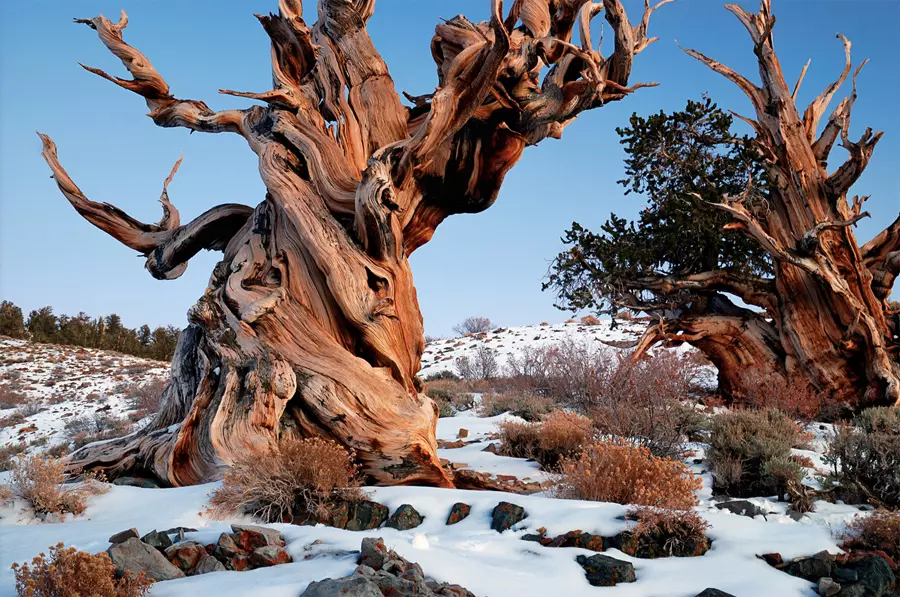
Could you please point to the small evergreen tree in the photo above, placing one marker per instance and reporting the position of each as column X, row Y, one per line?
column 12, row 323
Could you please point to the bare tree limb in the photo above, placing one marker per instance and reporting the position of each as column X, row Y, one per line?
column 165, row 109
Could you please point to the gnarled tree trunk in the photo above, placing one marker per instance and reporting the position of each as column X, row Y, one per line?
column 825, row 312
column 310, row 325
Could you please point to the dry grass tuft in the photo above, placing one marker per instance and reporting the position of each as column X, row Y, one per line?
column 665, row 533
column 528, row 406
column 298, row 480
column 621, row 472
column 40, row 481
column 69, row 572
column 561, row 435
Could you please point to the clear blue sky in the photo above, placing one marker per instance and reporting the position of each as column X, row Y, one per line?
column 490, row 264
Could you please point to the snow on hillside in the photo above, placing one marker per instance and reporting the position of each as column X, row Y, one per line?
column 69, row 382
column 441, row 355
column 61, row 383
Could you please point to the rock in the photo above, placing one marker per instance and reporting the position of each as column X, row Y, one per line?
column 160, row 541
column 827, row 587
column 136, row 482
column 813, row 568
column 454, row 445
column 659, row 544
column 875, row 578
column 269, row 555
column 351, row 586
column 458, row 511
column 462, row 433
column 250, row 537
column 714, row 593
column 229, row 553
column 845, row 575
column 459, row 465
column 404, row 518
column 123, row 536
column 506, row 515
column 364, row 516
column 576, row 539
column 772, row 559
column 186, row 555
column 373, row 553
column 492, row 448
column 794, row 515
column 209, row 564
column 604, row 571
column 179, row 530
column 133, row 555
column 741, row 508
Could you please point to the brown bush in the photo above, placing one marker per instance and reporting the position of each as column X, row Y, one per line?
column 621, row 472
column 85, row 430
column 528, row 406
column 450, row 397
column 648, row 401
column 878, row 531
column 8, row 454
column 762, row 389
column 11, row 396
column 146, row 397
column 864, row 457
column 665, row 533
column 40, row 481
column 750, row 452
column 561, row 435
column 72, row 573
column 11, row 420
column 589, row 320
column 480, row 364
column 297, row 480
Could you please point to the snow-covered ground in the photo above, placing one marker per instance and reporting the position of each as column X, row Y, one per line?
column 469, row 553
column 62, row 383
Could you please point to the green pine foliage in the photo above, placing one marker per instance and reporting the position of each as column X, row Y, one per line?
column 107, row 333
column 680, row 163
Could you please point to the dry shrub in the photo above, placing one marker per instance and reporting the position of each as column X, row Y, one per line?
column 617, row 471
column 40, row 481
column 473, row 325
column 297, row 480
column 450, row 398
column 12, row 419
column 85, row 430
column 561, row 435
column 864, row 457
column 480, row 364
column 750, row 452
column 146, row 397
column 762, row 388
column 72, row 573
column 878, row 531
column 528, row 406
column 589, row 320
column 645, row 400
column 10, row 396
column 8, row 454
column 665, row 533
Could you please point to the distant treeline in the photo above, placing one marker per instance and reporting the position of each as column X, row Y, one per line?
column 107, row 332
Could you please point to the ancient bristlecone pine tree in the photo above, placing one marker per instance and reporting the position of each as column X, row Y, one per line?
column 825, row 313
column 310, row 324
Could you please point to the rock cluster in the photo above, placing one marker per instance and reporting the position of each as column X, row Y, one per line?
column 381, row 573
column 845, row 575
column 160, row 558
column 649, row 546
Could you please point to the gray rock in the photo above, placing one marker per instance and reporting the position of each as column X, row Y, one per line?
column 269, row 555
column 136, row 482
column 135, row 556
column 741, row 508
column 875, row 576
column 249, row 536
column 827, row 587
column 123, row 536
column 604, row 571
column 351, row 586
column 714, row 593
column 845, row 574
column 373, row 553
column 506, row 515
column 160, row 541
column 364, row 516
column 458, row 512
column 812, row 569
column 209, row 564
column 404, row 518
